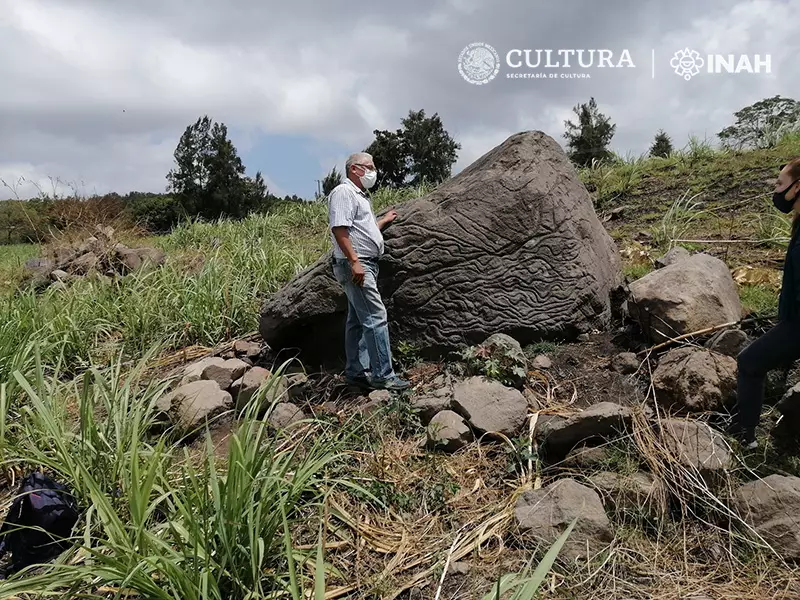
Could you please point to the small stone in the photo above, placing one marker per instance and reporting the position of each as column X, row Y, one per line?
column 489, row 406
column 544, row 514
column 151, row 256
column 617, row 213
column 695, row 380
column 636, row 495
column 507, row 345
column 284, row 415
column 194, row 404
column 249, row 349
column 729, row 342
column 59, row 275
column 583, row 337
column 603, row 421
column 244, row 388
column 696, row 446
column 447, row 431
column 625, row 363
column 129, row 259
column 772, row 507
column 542, row 362
column 459, row 568
column 368, row 407
column 225, row 373
column 382, row 396
column 194, row 371
column 428, row 406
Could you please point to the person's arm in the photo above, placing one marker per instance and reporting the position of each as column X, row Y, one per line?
column 342, row 236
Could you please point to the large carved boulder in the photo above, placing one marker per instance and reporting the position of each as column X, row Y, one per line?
column 511, row 244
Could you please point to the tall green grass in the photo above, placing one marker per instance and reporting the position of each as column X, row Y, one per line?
column 158, row 520
column 216, row 278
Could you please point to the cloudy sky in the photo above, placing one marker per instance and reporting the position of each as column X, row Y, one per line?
column 96, row 93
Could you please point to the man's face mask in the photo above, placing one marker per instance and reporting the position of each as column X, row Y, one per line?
column 369, row 177
column 779, row 198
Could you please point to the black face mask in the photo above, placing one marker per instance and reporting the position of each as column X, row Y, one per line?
column 780, row 201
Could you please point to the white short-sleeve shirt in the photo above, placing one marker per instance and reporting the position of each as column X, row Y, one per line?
column 350, row 207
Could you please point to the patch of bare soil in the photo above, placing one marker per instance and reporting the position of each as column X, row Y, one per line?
column 584, row 376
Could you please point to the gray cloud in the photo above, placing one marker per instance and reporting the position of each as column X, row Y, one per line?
column 99, row 92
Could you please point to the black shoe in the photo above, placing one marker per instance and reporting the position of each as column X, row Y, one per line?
column 745, row 436
column 360, row 382
column 393, row 384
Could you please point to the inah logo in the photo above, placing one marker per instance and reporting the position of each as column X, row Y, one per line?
column 687, row 63
column 478, row 63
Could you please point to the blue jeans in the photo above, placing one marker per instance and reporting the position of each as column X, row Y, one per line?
column 367, row 328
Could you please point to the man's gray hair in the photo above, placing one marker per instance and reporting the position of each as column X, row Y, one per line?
column 358, row 157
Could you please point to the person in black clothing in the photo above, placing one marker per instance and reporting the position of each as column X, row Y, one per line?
column 780, row 346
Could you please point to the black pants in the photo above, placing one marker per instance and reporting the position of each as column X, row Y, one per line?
column 777, row 348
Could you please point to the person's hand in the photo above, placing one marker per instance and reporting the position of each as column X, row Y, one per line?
column 390, row 216
column 358, row 273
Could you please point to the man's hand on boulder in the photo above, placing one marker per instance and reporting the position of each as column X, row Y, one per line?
column 358, row 273
column 387, row 218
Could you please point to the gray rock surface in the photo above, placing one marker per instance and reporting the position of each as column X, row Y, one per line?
column 447, row 431
column 604, row 420
column 772, row 507
column 284, row 415
column 489, row 406
column 543, row 515
column 696, row 446
column 507, row 345
column 728, row 341
column 194, row 404
column 225, row 372
column 542, row 362
column 511, row 243
column 695, row 380
column 637, row 495
column 244, row 388
column 673, row 256
column 586, row 458
column 194, row 371
column 690, row 295
column 427, row 406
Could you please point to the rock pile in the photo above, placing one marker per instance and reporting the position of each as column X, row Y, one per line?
column 99, row 254
column 213, row 386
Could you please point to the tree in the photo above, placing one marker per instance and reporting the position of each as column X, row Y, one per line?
column 209, row 178
column 431, row 150
column 588, row 140
column 662, row 145
column 761, row 125
column 421, row 151
column 331, row 180
column 390, row 155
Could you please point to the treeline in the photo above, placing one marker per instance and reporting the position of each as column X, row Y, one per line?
column 37, row 219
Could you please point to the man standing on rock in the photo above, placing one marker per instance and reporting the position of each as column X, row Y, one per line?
column 357, row 246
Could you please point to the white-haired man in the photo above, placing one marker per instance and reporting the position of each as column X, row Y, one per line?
column 357, row 247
